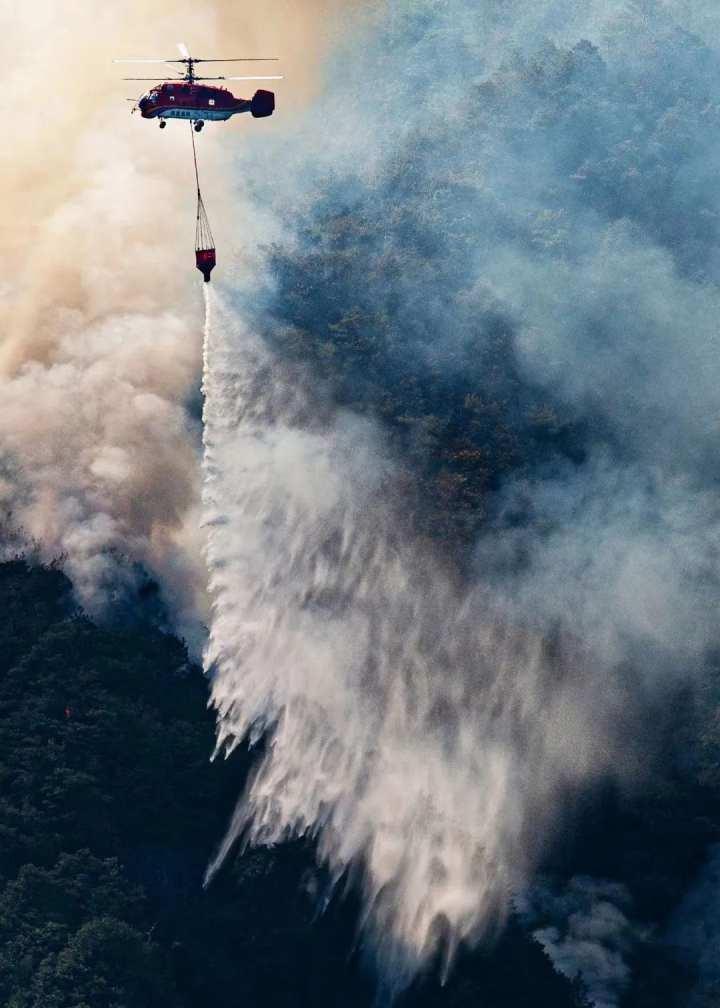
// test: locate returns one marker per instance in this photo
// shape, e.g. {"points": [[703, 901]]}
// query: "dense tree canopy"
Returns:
{"points": [[109, 813], [110, 810]]}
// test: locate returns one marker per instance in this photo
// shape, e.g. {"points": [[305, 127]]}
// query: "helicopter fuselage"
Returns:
{"points": [[184, 100]]}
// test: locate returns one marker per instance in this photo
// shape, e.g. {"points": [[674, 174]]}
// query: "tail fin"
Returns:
{"points": [[262, 104]]}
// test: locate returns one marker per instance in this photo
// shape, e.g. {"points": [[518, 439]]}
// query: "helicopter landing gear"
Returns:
{"points": [[199, 125], [162, 124]]}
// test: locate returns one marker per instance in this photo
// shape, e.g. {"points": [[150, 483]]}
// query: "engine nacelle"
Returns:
{"points": [[262, 104]]}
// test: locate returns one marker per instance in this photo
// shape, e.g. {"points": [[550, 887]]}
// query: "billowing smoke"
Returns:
{"points": [[100, 455], [508, 247], [587, 932], [100, 317]]}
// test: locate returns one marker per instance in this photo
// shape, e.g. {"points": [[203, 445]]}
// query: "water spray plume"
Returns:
{"points": [[417, 731]]}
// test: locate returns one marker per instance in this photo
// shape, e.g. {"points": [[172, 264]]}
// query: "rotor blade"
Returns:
{"points": [[142, 78], [276, 77], [184, 52], [241, 59]]}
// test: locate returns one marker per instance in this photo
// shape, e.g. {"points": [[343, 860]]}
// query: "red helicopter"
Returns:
{"points": [[184, 98]]}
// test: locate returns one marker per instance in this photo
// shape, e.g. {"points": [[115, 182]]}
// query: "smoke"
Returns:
{"points": [[586, 932], [100, 352], [92, 433], [541, 172]]}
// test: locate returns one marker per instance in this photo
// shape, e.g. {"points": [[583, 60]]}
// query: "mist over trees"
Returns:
{"points": [[558, 169], [518, 283]]}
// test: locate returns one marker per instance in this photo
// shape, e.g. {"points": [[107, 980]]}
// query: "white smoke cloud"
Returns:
{"points": [[100, 315], [629, 553], [586, 931], [421, 727], [98, 468]]}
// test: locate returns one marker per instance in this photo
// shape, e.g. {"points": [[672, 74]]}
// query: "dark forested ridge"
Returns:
{"points": [[110, 809], [109, 812]]}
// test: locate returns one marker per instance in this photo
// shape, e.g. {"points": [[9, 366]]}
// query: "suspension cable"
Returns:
{"points": [[203, 234], [197, 177]]}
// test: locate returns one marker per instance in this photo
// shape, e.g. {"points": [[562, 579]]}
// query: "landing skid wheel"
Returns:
{"points": [[163, 124], [199, 125]]}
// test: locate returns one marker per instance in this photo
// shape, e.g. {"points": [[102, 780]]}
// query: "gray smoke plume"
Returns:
{"points": [[99, 315], [586, 932], [543, 168], [104, 425]]}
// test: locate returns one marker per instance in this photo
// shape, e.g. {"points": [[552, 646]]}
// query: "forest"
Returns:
{"points": [[110, 811]]}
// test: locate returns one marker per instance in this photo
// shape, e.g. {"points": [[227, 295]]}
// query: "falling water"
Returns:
{"points": [[416, 729]]}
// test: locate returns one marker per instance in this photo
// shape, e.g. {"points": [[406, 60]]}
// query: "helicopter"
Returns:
{"points": [[184, 98]]}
